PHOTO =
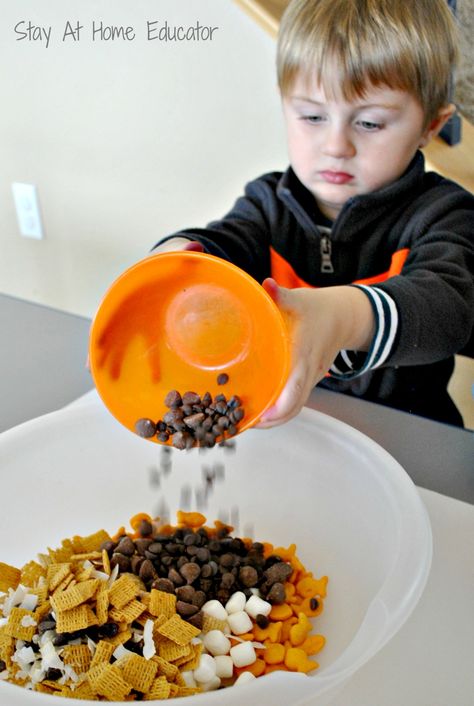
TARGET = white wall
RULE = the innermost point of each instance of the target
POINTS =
(126, 141)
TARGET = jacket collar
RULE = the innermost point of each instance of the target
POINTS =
(359, 211)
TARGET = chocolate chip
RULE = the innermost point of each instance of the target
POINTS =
(227, 560)
(145, 427)
(173, 416)
(135, 562)
(248, 576)
(199, 598)
(227, 580)
(186, 610)
(262, 621)
(62, 638)
(278, 572)
(109, 546)
(120, 560)
(109, 629)
(147, 571)
(237, 415)
(179, 440)
(53, 674)
(44, 625)
(203, 554)
(194, 420)
(196, 620)
(125, 546)
(190, 571)
(276, 594)
(186, 593)
(142, 544)
(191, 398)
(173, 399)
(163, 584)
(175, 577)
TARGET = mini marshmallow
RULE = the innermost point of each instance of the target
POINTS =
(188, 678)
(243, 654)
(236, 602)
(244, 678)
(257, 606)
(239, 622)
(206, 670)
(211, 685)
(216, 642)
(215, 609)
(224, 666)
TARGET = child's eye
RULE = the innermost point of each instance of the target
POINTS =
(312, 119)
(369, 125)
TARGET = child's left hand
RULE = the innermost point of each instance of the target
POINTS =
(321, 322)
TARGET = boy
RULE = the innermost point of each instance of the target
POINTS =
(370, 256)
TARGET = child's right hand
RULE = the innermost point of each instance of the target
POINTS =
(321, 323)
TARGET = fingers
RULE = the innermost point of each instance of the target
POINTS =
(193, 246)
(291, 401)
(271, 288)
(177, 243)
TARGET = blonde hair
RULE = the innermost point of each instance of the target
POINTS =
(406, 45)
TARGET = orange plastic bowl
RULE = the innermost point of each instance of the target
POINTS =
(176, 321)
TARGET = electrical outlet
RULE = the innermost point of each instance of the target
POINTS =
(27, 210)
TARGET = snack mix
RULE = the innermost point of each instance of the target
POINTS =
(158, 612)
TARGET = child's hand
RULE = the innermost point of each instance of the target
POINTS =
(321, 322)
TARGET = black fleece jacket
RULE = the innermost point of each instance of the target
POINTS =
(426, 221)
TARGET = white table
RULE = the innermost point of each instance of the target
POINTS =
(430, 661)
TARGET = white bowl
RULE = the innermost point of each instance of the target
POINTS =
(353, 512)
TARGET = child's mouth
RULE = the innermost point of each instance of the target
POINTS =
(336, 177)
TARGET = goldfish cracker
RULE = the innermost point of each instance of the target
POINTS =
(139, 517)
(297, 660)
(290, 590)
(285, 554)
(271, 633)
(249, 636)
(305, 607)
(280, 612)
(299, 632)
(257, 668)
(275, 668)
(119, 533)
(285, 628)
(313, 644)
(267, 549)
(298, 567)
(190, 519)
(308, 587)
(274, 654)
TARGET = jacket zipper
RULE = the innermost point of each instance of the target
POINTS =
(325, 252)
(325, 244)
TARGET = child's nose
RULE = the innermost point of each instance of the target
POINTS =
(338, 142)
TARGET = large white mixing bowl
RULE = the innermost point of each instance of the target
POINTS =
(352, 510)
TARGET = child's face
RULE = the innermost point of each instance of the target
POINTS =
(340, 149)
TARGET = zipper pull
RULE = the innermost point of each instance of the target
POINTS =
(325, 251)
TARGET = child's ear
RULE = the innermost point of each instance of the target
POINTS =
(444, 114)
